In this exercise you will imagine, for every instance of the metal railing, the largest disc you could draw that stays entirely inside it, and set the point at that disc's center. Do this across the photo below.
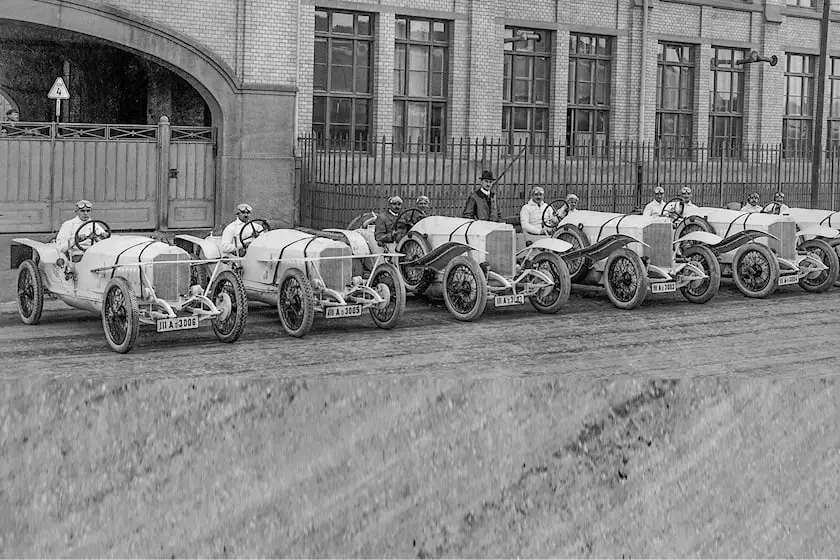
(341, 179)
(82, 131)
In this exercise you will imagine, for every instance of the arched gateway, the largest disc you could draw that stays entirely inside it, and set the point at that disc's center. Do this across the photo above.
(145, 177)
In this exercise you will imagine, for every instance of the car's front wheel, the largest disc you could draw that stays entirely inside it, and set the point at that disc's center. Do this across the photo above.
(120, 315)
(551, 299)
(295, 302)
(701, 291)
(824, 279)
(755, 270)
(228, 295)
(386, 281)
(464, 288)
(30, 292)
(625, 278)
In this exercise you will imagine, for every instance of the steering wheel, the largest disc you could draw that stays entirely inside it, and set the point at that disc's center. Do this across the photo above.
(673, 209)
(560, 209)
(407, 218)
(772, 208)
(254, 232)
(94, 236)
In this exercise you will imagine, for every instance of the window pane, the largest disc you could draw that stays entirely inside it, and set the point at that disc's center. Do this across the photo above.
(319, 109)
(521, 119)
(401, 26)
(417, 114)
(342, 52)
(419, 30)
(439, 33)
(363, 24)
(342, 23)
(361, 112)
(362, 80)
(341, 78)
(521, 91)
(341, 110)
(322, 21)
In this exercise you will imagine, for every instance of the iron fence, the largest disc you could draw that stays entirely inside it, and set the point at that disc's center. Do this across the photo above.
(340, 180)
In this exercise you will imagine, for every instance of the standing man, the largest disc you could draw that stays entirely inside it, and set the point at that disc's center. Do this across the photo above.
(655, 206)
(752, 204)
(385, 230)
(231, 244)
(531, 216)
(481, 204)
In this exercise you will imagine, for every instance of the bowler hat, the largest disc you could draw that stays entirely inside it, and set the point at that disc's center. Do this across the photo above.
(488, 175)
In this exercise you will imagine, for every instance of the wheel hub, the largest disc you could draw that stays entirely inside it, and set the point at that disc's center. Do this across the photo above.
(224, 305)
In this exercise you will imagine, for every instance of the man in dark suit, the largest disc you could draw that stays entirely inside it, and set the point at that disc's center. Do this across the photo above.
(481, 204)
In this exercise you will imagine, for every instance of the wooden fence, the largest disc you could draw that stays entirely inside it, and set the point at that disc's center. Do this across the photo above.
(340, 180)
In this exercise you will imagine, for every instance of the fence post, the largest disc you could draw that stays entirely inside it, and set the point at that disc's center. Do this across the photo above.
(164, 137)
(720, 178)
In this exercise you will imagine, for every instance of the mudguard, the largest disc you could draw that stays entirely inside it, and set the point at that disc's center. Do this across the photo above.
(703, 237)
(736, 240)
(823, 232)
(546, 244)
(209, 249)
(603, 248)
(439, 257)
(47, 252)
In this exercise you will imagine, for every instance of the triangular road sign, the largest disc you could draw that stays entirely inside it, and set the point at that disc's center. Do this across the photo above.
(58, 90)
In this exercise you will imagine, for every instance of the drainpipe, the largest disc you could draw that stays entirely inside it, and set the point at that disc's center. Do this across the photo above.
(642, 95)
(816, 154)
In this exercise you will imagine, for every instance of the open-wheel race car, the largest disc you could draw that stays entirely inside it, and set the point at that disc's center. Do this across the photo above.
(814, 224)
(758, 250)
(302, 273)
(466, 261)
(631, 256)
(129, 280)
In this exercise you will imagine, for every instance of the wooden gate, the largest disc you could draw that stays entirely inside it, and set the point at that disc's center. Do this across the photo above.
(140, 177)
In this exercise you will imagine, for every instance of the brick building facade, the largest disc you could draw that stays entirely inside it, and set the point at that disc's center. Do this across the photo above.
(426, 70)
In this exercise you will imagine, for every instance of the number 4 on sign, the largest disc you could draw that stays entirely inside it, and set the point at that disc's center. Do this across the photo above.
(59, 90)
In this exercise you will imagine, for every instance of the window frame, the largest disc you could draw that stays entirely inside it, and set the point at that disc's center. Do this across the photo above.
(594, 109)
(805, 141)
(734, 141)
(681, 114)
(515, 51)
(404, 100)
(833, 128)
(356, 97)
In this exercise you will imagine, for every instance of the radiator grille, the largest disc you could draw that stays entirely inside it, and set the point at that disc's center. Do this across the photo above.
(171, 279)
(500, 251)
(659, 237)
(785, 247)
(336, 273)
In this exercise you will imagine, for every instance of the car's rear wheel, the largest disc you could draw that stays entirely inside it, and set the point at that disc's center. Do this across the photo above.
(228, 294)
(625, 278)
(570, 233)
(120, 315)
(550, 300)
(701, 291)
(755, 270)
(824, 279)
(464, 288)
(416, 279)
(30, 292)
(295, 302)
(386, 281)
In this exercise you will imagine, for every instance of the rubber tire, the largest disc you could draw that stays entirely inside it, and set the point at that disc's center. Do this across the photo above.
(712, 268)
(132, 315)
(465, 262)
(240, 303)
(28, 269)
(625, 254)
(829, 259)
(307, 303)
(768, 256)
(560, 272)
(397, 296)
(427, 277)
(578, 239)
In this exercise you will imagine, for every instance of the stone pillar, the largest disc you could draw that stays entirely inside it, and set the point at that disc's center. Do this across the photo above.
(771, 79)
(486, 70)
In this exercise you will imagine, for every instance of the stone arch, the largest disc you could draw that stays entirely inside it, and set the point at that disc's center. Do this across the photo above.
(7, 101)
(214, 80)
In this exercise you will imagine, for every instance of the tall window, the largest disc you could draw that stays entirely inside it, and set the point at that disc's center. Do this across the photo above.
(342, 76)
(675, 99)
(834, 110)
(420, 89)
(726, 106)
(526, 86)
(799, 105)
(588, 114)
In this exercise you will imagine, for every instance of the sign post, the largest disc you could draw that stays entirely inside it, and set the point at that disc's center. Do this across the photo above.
(58, 91)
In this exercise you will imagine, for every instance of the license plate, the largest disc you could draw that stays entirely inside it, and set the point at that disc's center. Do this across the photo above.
(663, 287)
(788, 279)
(177, 324)
(515, 299)
(343, 311)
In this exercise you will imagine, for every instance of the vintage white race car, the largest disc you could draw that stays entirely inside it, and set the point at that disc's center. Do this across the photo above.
(631, 256)
(129, 280)
(302, 273)
(759, 251)
(818, 225)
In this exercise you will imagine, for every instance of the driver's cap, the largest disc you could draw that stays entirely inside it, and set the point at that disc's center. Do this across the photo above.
(395, 200)
(84, 205)
(658, 190)
(244, 208)
(685, 190)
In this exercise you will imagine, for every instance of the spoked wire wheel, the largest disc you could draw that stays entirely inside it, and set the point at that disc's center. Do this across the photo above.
(625, 278)
(228, 294)
(464, 288)
(573, 234)
(30, 292)
(755, 270)
(416, 279)
(386, 281)
(824, 279)
(701, 291)
(295, 302)
(550, 300)
(120, 315)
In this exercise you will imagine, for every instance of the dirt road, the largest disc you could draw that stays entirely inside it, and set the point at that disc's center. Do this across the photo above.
(673, 430)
